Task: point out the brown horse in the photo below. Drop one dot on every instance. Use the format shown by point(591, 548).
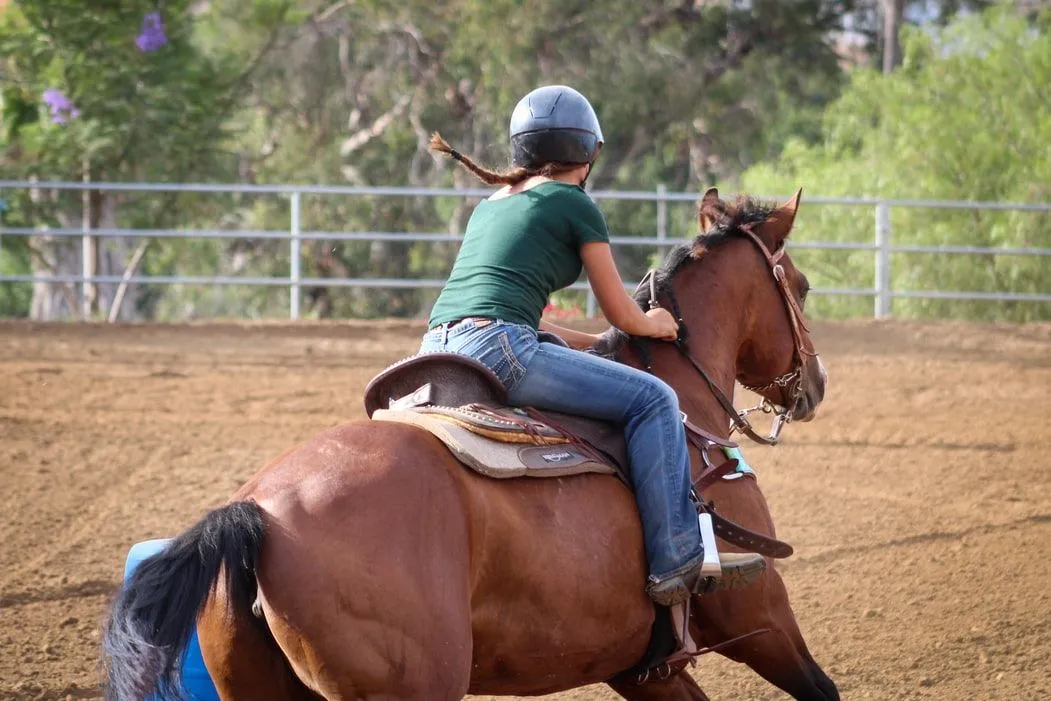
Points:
point(370, 564)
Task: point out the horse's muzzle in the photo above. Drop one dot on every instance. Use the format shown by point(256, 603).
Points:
point(813, 382)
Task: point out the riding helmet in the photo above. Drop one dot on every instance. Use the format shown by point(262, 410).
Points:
point(554, 124)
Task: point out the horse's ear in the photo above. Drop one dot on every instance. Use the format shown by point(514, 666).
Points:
point(779, 224)
point(792, 205)
point(709, 209)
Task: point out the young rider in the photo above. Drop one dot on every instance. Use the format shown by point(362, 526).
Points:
point(529, 239)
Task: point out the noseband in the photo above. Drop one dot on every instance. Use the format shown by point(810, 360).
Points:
point(790, 384)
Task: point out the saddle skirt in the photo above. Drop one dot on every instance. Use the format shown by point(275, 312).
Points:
point(460, 402)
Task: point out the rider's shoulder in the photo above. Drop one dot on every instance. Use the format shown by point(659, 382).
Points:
point(572, 194)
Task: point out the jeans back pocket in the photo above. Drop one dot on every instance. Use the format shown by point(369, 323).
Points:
point(515, 371)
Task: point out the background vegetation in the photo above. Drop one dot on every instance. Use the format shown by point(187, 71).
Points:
point(944, 100)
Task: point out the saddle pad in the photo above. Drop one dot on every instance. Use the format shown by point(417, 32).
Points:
point(498, 459)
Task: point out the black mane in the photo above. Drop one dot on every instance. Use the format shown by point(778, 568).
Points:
point(746, 210)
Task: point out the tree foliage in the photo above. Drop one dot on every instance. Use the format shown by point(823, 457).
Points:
point(276, 91)
point(110, 91)
point(965, 118)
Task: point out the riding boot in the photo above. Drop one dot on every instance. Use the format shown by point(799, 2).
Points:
point(738, 570)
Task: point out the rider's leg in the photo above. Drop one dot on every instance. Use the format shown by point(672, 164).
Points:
point(565, 380)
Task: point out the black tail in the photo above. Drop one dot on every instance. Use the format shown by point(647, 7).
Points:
point(155, 613)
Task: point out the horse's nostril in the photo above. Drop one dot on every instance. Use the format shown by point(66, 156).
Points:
point(806, 412)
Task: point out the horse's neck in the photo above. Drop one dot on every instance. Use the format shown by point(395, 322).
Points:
point(714, 338)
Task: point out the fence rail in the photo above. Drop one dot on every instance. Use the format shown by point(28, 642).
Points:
point(882, 246)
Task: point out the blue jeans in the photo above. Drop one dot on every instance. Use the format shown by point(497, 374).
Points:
point(548, 376)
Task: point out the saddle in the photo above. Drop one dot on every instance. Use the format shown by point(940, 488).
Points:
point(463, 403)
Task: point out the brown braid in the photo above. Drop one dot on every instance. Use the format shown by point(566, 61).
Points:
point(512, 176)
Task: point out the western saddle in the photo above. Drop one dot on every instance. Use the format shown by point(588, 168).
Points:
point(463, 403)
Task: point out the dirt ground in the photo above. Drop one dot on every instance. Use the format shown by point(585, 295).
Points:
point(919, 501)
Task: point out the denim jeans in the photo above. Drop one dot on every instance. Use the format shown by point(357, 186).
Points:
point(549, 376)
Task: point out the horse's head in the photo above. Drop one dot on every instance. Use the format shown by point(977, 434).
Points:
point(776, 357)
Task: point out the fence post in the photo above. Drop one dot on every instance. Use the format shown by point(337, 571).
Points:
point(294, 271)
point(662, 217)
point(883, 292)
point(88, 253)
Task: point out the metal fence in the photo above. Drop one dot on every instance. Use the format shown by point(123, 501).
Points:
point(881, 246)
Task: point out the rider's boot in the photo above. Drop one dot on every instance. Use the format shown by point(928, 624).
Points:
point(738, 570)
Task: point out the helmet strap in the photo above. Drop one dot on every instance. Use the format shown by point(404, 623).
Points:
point(584, 182)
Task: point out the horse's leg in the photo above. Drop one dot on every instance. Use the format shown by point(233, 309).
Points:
point(243, 660)
point(679, 687)
point(780, 656)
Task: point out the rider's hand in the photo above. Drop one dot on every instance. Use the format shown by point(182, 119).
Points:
point(662, 325)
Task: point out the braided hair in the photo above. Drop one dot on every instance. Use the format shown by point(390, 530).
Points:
point(511, 176)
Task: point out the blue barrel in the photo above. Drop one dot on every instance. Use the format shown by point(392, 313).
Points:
point(196, 684)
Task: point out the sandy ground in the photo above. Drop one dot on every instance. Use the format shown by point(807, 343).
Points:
point(919, 502)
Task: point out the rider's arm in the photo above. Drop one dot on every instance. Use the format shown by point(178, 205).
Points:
point(576, 339)
point(617, 305)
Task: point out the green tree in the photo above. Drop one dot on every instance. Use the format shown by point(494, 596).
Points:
point(687, 93)
point(110, 91)
point(965, 118)
point(350, 91)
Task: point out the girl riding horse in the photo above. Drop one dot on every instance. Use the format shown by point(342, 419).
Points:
point(531, 238)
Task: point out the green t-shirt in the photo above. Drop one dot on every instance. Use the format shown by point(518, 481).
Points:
point(517, 251)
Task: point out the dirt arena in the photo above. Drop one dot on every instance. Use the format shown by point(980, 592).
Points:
point(919, 502)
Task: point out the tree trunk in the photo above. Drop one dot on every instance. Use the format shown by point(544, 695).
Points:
point(53, 255)
point(65, 256)
point(114, 256)
point(892, 18)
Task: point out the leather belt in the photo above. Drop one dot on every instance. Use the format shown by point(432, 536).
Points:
point(479, 321)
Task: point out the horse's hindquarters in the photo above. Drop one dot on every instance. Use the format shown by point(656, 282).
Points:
point(390, 570)
point(364, 574)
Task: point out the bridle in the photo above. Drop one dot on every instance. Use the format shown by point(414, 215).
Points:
point(790, 384)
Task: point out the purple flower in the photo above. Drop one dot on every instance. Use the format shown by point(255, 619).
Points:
point(62, 108)
point(152, 36)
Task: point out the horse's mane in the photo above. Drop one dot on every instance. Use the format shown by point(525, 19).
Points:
point(745, 210)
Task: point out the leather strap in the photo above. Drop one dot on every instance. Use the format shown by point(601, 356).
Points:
point(745, 538)
point(709, 437)
point(711, 475)
point(678, 660)
point(795, 313)
point(740, 423)
point(527, 427)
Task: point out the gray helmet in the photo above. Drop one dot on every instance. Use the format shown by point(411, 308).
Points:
point(554, 124)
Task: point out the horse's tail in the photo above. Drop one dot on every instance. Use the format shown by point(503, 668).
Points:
point(155, 612)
